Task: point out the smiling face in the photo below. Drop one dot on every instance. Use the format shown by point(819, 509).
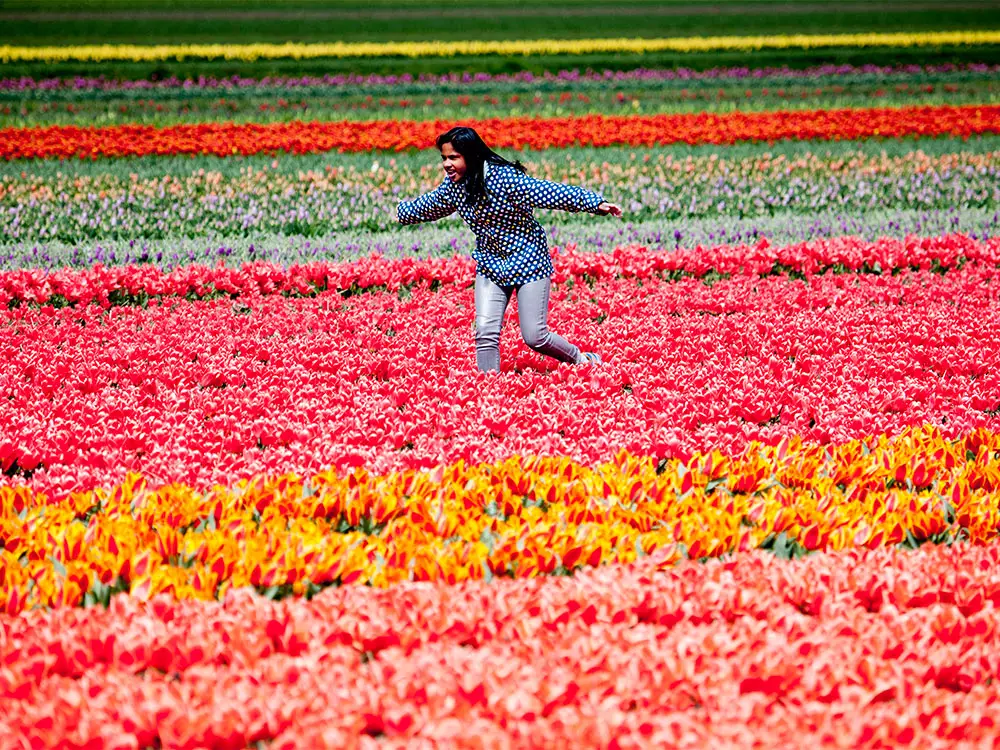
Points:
point(453, 162)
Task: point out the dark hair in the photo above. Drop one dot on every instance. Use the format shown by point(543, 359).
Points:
point(468, 143)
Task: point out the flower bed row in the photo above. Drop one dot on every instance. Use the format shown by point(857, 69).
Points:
point(127, 204)
point(484, 98)
point(205, 392)
point(233, 84)
point(197, 106)
point(443, 241)
point(259, 51)
point(865, 648)
point(520, 518)
point(223, 139)
point(137, 284)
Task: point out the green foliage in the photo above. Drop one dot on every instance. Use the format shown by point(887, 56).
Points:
point(793, 58)
point(783, 546)
point(228, 21)
point(448, 101)
point(101, 593)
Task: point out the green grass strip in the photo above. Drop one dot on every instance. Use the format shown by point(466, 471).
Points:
point(46, 22)
point(793, 58)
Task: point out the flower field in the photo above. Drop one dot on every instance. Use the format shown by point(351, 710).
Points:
point(255, 493)
point(105, 52)
point(318, 200)
point(25, 101)
point(590, 130)
point(863, 648)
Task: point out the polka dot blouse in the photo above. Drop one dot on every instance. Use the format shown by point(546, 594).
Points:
point(511, 247)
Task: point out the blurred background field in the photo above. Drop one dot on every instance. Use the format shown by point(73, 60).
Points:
point(52, 22)
point(171, 210)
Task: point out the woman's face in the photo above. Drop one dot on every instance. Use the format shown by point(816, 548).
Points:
point(453, 162)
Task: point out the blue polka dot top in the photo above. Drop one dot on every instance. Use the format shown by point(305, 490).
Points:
point(511, 247)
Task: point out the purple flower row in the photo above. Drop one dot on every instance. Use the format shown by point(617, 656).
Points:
point(569, 76)
point(432, 241)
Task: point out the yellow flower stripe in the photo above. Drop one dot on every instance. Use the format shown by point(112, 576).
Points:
point(151, 53)
point(522, 517)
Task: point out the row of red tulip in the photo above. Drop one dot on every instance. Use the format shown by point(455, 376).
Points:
point(210, 391)
point(228, 138)
point(133, 283)
point(854, 649)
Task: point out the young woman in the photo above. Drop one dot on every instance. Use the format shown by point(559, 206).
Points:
point(495, 198)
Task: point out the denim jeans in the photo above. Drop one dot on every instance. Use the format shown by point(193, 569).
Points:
point(533, 315)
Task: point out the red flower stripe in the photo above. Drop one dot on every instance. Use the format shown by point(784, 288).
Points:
point(859, 649)
point(223, 139)
point(212, 391)
point(110, 285)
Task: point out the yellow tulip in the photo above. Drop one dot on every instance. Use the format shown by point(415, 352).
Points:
point(250, 52)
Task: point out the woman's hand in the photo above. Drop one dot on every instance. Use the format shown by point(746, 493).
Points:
point(609, 208)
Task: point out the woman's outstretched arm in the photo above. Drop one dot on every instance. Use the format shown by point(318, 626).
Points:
point(528, 191)
point(428, 207)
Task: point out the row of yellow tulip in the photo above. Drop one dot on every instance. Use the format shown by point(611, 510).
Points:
point(522, 517)
point(145, 53)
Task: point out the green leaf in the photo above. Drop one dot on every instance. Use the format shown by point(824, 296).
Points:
point(783, 546)
point(910, 542)
point(488, 539)
point(949, 511)
point(493, 510)
point(713, 483)
point(206, 523)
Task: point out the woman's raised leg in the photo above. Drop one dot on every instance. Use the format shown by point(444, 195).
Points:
point(533, 314)
point(491, 303)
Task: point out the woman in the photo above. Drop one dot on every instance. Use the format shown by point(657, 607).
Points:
point(495, 198)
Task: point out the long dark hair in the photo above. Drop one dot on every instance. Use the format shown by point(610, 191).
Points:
point(473, 148)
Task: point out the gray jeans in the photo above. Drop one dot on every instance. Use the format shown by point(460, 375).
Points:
point(533, 315)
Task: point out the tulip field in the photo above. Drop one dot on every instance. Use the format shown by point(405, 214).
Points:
point(254, 492)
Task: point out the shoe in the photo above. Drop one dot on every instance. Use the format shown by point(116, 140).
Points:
point(592, 358)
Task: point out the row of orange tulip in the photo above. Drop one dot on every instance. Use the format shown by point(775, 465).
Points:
point(522, 517)
point(223, 139)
